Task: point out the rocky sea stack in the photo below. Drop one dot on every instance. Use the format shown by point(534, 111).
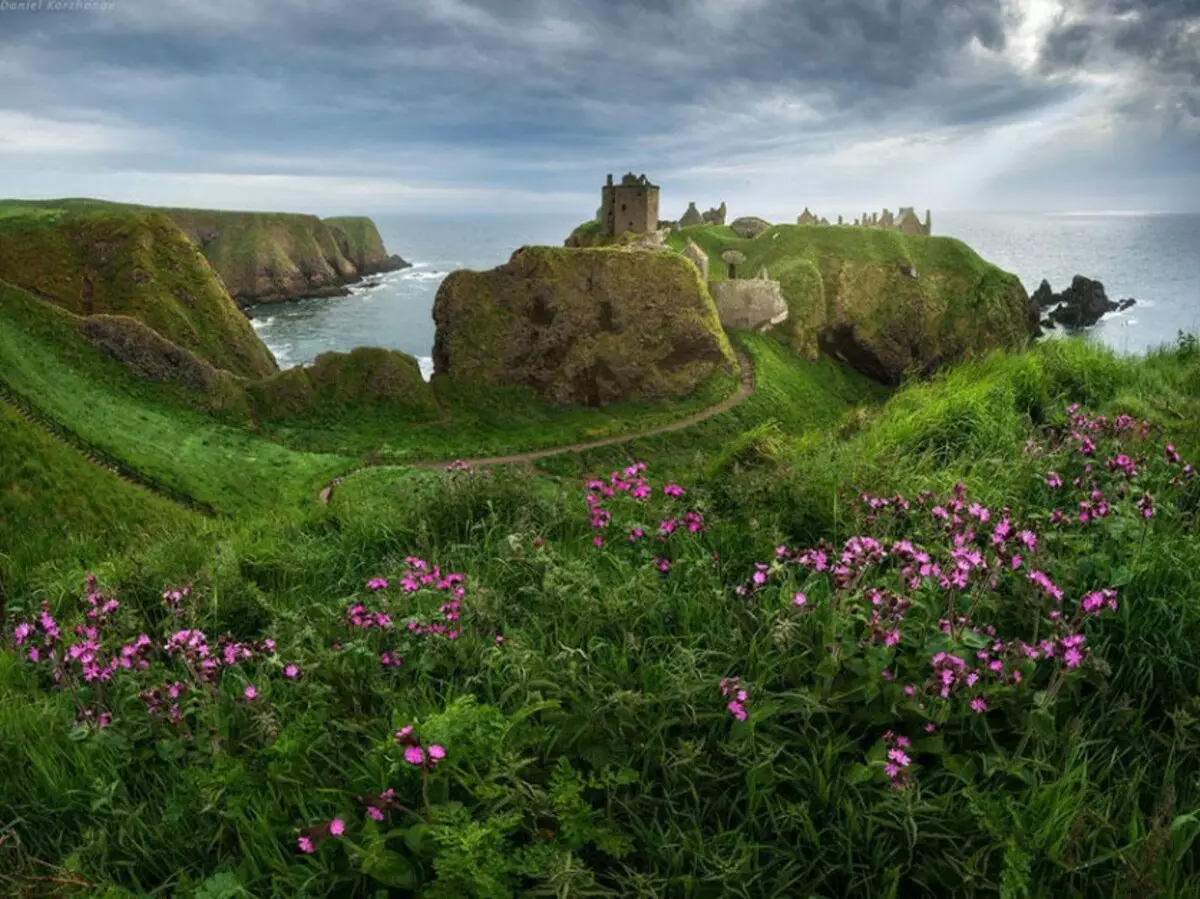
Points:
point(582, 326)
point(1079, 306)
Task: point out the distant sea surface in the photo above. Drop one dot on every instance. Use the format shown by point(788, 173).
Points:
point(1153, 258)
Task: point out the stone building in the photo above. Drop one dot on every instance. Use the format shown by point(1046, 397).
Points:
point(631, 205)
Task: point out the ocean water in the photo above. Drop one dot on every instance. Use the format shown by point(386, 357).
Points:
point(1153, 258)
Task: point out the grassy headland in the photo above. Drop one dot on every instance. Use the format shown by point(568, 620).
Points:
point(837, 640)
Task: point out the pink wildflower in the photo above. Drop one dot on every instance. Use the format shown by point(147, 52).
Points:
point(337, 827)
point(291, 672)
point(979, 704)
point(306, 845)
point(251, 692)
point(414, 755)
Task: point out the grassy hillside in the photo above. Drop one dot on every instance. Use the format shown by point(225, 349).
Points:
point(60, 510)
point(157, 428)
point(884, 300)
point(703, 710)
point(133, 264)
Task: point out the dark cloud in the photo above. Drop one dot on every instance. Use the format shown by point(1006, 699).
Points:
point(533, 93)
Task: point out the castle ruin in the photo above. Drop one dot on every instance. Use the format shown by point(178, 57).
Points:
point(905, 221)
point(631, 205)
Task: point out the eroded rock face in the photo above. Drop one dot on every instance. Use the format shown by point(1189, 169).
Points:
point(749, 226)
point(1079, 306)
point(753, 304)
point(581, 326)
point(695, 252)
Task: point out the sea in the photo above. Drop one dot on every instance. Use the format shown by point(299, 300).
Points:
point(1153, 258)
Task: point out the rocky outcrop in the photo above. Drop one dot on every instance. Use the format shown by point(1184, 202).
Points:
point(581, 326)
point(360, 242)
point(753, 304)
point(690, 217)
point(364, 381)
point(749, 226)
point(1079, 306)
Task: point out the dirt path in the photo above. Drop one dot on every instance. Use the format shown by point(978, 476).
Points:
point(745, 388)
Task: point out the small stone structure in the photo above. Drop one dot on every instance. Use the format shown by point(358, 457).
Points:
point(749, 226)
point(693, 216)
point(752, 304)
point(732, 259)
point(631, 205)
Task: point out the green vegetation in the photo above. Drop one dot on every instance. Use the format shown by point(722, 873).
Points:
point(835, 640)
point(648, 717)
point(892, 304)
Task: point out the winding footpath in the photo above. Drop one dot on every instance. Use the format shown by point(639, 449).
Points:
point(745, 389)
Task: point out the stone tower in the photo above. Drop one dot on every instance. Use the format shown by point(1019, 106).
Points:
point(631, 205)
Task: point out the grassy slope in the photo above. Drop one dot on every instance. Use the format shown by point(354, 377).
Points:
point(146, 425)
point(610, 673)
point(137, 264)
point(57, 507)
point(830, 275)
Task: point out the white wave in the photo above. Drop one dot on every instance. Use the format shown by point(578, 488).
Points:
point(424, 276)
point(259, 323)
point(426, 364)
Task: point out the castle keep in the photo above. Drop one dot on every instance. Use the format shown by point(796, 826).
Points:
point(631, 205)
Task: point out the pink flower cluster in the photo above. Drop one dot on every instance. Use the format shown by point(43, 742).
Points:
point(310, 838)
point(897, 766)
point(732, 690)
point(632, 482)
point(426, 757)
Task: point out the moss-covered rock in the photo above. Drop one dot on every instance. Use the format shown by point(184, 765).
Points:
point(582, 326)
point(890, 304)
point(366, 380)
point(136, 264)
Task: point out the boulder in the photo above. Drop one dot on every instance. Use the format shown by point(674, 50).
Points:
point(751, 304)
point(581, 326)
point(749, 226)
point(691, 217)
point(1079, 306)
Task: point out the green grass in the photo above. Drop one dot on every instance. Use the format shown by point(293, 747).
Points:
point(144, 424)
point(58, 509)
point(592, 752)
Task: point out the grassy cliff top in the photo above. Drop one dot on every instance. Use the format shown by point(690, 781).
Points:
point(120, 261)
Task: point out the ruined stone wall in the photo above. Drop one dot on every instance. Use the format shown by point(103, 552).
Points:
point(753, 304)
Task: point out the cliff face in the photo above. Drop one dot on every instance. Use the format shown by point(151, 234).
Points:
point(123, 262)
point(359, 241)
point(581, 326)
point(268, 257)
point(889, 304)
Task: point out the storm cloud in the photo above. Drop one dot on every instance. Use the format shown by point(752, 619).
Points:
point(426, 105)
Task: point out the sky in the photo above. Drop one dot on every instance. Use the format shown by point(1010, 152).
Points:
point(502, 106)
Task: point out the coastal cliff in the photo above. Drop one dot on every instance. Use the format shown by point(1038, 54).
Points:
point(262, 257)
